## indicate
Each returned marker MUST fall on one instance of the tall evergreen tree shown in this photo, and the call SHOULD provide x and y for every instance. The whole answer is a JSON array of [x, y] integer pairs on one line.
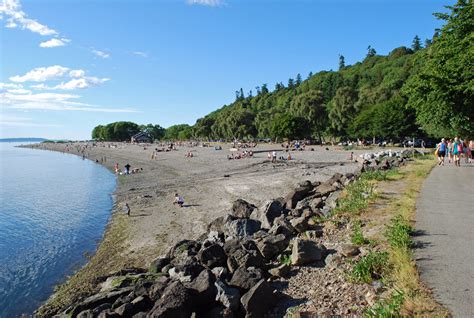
[[310, 75], [291, 83], [265, 89], [370, 52], [416, 44], [299, 80], [342, 62]]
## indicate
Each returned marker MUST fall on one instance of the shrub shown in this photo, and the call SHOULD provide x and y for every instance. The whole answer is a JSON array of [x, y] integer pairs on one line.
[[399, 232]]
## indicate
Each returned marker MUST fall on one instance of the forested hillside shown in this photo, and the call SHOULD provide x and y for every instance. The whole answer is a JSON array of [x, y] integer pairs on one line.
[[426, 89]]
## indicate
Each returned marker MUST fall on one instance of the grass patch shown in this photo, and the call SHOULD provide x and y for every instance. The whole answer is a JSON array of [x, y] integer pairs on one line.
[[399, 233], [357, 197], [357, 237], [285, 258], [371, 267], [385, 175], [387, 307]]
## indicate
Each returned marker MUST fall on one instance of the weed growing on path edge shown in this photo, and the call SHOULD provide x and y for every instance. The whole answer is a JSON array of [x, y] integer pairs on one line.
[[370, 267], [357, 237], [358, 195], [387, 307]]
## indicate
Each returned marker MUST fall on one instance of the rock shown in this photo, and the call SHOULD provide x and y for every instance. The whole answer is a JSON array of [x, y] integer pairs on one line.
[[331, 200], [176, 302], [242, 209], [227, 296], [101, 308], [241, 228], [85, 314], [220, 272], [218, 224], [212, 256], [141, 303], [216, 312], [245, 258], [316, 233], [297, 195], [202, 289], [281, 271], [272, 245], [258, 300], [306, 252], [182, 251], [126, 310], [99, 299], [349, 250], [246, 278], [187, 271], [107, 314], [300, 224], [157, 265], [333, 260], [282, 226], [267, 214], [324, 189], [158, 288]]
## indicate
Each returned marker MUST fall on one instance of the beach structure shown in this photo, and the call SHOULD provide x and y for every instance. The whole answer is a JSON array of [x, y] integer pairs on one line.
[[141, 137]]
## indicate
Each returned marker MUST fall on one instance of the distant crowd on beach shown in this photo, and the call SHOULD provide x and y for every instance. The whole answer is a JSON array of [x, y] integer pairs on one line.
[[454, 150]]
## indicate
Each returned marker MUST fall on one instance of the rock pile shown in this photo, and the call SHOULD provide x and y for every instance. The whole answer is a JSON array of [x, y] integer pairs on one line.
[[227, 272], [385, 159]]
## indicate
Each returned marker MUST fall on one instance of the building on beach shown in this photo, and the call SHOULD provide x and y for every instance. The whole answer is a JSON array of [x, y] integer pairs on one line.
[[141, 137]]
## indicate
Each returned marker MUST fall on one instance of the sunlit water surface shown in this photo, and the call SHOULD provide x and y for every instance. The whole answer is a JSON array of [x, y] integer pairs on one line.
[[53, 211]]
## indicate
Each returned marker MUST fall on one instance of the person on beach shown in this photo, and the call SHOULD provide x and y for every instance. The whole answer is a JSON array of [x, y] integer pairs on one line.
[[274, 157], [126, 208], [450, 151], [127, 168], [457, 151], [116, 168], [441, 152], [179, 200]]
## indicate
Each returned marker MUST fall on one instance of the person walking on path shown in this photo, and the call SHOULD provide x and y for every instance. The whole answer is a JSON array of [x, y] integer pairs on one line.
[[441, 151], [457, 151]]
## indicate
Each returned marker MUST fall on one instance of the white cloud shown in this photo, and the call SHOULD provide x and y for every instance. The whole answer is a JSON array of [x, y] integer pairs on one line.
[[81, 83], [77, 73], [19, 91], [101, 54], [210, 3], [9, 85], [53, 101], [141, 54], [16, 18], [41, 74], [54, 43]]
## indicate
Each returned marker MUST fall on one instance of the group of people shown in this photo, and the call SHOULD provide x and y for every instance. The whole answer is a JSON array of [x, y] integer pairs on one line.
[[454, 150], [240, 155]]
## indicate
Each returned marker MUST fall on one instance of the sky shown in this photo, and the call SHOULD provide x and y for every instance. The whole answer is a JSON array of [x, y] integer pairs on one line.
[[67, 66]]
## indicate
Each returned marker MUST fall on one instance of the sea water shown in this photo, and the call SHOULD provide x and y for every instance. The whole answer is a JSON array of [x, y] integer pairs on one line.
[[53, 211]]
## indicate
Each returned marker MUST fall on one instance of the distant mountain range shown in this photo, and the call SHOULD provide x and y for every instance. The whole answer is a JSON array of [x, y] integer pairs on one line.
[[22, 139]]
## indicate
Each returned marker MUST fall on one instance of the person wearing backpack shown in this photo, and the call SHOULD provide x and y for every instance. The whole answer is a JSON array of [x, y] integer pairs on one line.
[[441, 151], [457, 151]]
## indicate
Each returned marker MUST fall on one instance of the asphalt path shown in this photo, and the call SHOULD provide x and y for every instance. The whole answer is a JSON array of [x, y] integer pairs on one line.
[[445, 227]]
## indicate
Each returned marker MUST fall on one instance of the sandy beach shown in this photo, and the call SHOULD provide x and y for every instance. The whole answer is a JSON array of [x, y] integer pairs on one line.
[[208, 181]]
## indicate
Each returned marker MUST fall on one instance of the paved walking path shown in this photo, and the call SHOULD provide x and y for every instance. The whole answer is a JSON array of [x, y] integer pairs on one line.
[[445, 220]]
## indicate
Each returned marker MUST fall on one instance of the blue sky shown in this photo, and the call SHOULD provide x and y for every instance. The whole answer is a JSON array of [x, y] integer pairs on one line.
[[69, 65]]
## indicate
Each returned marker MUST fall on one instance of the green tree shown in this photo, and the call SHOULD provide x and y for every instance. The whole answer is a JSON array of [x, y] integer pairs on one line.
[[370, 52], [441, 91], [289, 127], [98, 132], [416, 44], [155, 131], [342, 62], [178, 132], [342, 109], [311, 107], [299, 79]]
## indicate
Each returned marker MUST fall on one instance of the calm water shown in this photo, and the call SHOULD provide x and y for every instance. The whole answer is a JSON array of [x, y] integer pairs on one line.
[[53, 210]]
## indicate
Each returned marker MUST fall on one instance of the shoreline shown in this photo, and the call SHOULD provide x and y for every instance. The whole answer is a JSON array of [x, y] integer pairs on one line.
[[121, 248]]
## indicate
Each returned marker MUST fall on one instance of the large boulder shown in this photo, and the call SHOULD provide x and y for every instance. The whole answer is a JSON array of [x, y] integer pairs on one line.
[[298, 194], [324, 189], [241, 228], [176, 302], [157, 265], [306, 252], [182, 250], [267, 214], [245, 278], [258, 300], [272, 245], [242, 209], [186, 271], [245, 258], [282, 226], [203, 289], [300, 224], [280, 271], [227, 296], [217, 311], [212, 256], [99, 299], [218, 225], [331, 200]]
